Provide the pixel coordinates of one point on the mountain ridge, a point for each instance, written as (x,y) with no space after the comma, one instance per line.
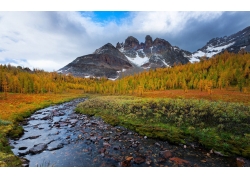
(131,54)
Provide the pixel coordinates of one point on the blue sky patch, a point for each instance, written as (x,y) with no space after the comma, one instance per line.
(107,16)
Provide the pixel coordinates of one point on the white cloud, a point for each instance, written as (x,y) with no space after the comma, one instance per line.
(168,22)
(50,40)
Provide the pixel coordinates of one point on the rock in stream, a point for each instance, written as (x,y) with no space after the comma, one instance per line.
(57,136)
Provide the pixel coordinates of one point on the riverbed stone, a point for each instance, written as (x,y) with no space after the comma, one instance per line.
(242,162)
(166,154)
(73,121)
(109,142)
(106,145)
(38,148)
(178,161)
(125,163)
(46,117)
(22,148)
(139,159)
(55,146)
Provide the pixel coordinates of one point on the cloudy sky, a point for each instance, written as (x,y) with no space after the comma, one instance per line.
(50,40)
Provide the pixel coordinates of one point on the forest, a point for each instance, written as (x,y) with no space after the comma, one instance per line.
(220,72)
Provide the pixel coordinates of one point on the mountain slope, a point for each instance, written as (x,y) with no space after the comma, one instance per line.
(233,43)
(152,54)
(105,61)
(109,61)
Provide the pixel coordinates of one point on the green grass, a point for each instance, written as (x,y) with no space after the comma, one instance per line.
(223,126)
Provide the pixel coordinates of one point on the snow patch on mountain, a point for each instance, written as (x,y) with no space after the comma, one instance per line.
(208,52)
(139,61)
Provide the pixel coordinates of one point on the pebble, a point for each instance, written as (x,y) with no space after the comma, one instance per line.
(104,145)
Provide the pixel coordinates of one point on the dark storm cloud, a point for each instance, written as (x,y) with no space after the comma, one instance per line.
(196,34)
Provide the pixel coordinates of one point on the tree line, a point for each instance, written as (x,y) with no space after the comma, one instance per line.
(221,71)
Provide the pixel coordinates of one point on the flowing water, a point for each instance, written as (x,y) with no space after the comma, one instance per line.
(57,136)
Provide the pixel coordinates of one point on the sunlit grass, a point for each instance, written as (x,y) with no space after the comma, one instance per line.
(215,124)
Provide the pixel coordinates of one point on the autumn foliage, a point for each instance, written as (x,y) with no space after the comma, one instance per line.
(220,72)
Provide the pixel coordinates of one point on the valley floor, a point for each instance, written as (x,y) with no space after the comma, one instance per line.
(18,106)
(230,95)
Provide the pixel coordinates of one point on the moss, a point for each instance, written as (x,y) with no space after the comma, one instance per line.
(9,160)
(16,132)
(178,121)
(3,164)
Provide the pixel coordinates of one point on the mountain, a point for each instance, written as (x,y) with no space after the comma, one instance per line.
(152,54)
(105,61)
(130,56)
(233,43)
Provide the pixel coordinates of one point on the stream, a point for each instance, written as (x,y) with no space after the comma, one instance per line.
(58,137)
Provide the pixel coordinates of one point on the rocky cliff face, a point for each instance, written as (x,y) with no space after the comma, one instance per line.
(152,54)
(109,61)
(106,61)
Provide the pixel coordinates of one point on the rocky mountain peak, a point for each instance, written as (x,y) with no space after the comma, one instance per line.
(152,54)
(131,43)
(161,42)
(148,41)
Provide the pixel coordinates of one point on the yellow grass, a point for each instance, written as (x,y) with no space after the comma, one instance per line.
(20,103)
(230,95)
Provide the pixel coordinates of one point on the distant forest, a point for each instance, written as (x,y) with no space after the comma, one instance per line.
(221,71)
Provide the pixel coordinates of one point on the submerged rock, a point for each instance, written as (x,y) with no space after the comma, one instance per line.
(38,148)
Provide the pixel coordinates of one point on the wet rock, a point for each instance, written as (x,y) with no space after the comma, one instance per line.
(93,139)
(32,137)
(106,145)
(116,147)
(242,162)
(58,146)
(22,148)
(134,145)
(73,121)
(148,162)
(61,113)
(166,154)
(219,153)
(157,144)
(38,148)
(102,150)
(178,161)
(63,124)
(128,158)
(125,163)
(38,112)
(25,162)
(145,137)
(161,160)
(23,153)
(45,117)
(56,124)
(139,159)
